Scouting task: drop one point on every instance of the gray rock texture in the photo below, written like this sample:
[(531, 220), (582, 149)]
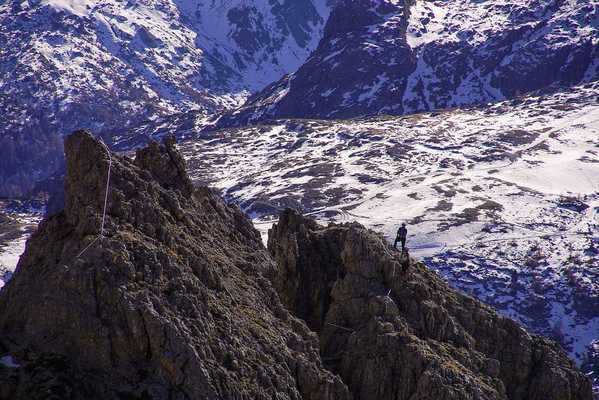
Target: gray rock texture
[(393, 332)]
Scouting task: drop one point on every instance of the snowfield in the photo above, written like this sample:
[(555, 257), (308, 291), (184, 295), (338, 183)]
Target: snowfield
[(501, 200)]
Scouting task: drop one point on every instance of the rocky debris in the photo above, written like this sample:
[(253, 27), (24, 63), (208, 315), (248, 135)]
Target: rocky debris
[(171, 302), (393, 334), (42, 378)]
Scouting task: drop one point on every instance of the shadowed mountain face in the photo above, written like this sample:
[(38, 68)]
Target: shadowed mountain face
[(109, 65), (400, 57)]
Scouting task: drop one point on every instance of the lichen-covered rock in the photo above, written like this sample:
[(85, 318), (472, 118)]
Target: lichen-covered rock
[(171, 303), (393, 333)]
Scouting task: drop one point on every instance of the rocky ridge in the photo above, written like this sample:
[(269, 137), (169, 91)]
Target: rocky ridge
[(409, 56), (170, 303), (501, 200), (393, 329), (178, 299)]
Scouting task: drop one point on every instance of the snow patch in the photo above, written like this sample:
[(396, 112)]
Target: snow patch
[(9, 362), (81, 8), (9, 257), (426, 23)]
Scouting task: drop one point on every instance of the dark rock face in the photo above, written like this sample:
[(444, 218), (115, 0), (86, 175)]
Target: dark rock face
[(401, 57), (395, 334), (45, 377), (170, 303)]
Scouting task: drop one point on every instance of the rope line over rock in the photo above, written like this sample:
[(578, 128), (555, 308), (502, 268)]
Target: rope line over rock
[(101, 235), (107, 187)]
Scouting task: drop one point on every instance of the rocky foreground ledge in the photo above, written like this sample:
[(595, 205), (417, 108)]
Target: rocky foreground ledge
[(178, 300), (398, 331)]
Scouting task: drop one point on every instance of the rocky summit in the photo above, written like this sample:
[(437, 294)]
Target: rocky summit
[(392, 329), (144, 287), (171, 303)]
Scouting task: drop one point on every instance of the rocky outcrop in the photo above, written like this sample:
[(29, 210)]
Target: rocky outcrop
[(397, 333), (171, 303), (178, 300)]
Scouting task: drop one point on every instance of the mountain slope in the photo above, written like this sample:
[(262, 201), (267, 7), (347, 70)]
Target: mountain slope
[(107, 64), (394, 330), (502, 200), (399, 57), (167, 295)]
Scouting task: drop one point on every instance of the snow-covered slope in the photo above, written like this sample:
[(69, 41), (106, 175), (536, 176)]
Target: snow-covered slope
[(16, 225), (403, 56), (503, 200), (111, 64)]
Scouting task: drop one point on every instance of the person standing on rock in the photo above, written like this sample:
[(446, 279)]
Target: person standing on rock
[(402, 235)]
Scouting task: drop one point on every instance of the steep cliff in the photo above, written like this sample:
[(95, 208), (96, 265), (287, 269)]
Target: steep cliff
[(170, 303), (393, 332)]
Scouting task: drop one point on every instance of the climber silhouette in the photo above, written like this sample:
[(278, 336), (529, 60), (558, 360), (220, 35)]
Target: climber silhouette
[(402, 234)]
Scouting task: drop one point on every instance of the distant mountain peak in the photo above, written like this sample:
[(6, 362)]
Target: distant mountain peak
[(111, 65), (402, 57)]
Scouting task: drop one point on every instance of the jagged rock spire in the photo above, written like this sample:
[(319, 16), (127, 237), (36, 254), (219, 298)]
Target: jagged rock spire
[(170, 303)]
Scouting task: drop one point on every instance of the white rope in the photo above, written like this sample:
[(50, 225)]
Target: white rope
[(88, 246), (101, 235), (341, 327), (107, 187)]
